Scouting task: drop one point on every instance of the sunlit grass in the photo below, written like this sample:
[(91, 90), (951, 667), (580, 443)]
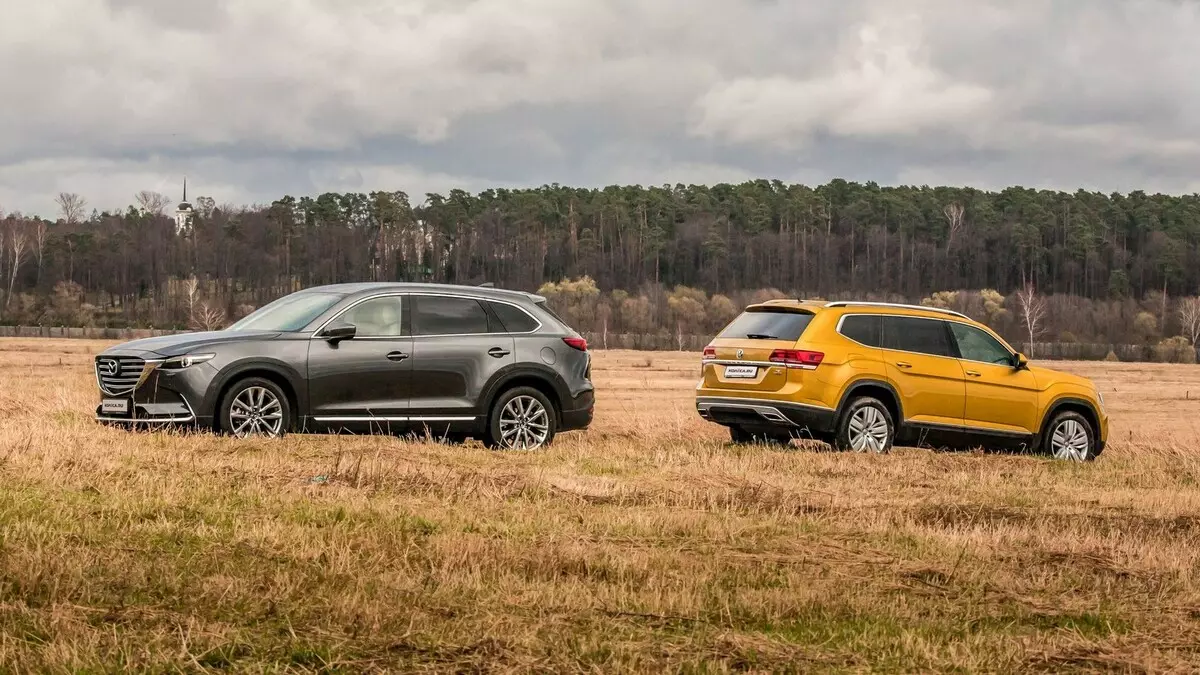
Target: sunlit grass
[(645, 544)]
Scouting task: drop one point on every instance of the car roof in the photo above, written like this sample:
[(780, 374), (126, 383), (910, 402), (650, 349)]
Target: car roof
[(865, 307), (367, 287)]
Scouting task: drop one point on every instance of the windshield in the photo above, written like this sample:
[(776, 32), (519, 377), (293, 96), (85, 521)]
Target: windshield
[(289, 313)]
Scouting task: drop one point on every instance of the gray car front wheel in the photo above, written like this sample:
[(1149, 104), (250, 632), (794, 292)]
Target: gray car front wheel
[(255, 407)]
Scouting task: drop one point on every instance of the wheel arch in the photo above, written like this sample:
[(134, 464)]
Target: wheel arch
[(280, 374), (1069, 403), (543, 379), (876, 388)]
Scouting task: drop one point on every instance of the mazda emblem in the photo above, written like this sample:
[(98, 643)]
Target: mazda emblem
[(109, 367), (740, 353)]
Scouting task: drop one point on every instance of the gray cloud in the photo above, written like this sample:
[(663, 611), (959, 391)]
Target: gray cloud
[(257, 98)]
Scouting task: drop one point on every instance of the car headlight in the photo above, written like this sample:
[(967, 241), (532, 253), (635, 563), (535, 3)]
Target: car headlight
[(185, 361)]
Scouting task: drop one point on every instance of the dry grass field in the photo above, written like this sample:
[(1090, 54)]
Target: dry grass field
[(646, 544)]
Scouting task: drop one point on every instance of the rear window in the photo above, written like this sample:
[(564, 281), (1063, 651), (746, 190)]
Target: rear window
[(514, 319), (767, 325), (863, 328), (546, 308)]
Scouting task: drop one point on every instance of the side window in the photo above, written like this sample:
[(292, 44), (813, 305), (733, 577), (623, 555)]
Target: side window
[(922, 336), (513, 319), (440, 315), (863, 328), (976, 345), (378, 317)]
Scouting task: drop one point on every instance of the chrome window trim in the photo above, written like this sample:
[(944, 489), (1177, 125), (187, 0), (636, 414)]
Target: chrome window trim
[(316, 334), (838, 329), (1011, 354), (477, 299)]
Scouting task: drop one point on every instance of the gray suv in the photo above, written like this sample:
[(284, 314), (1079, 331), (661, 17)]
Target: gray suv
[(453, 361)]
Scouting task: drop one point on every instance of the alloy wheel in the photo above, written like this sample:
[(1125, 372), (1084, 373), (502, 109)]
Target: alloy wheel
[(1070, 441), (256, 411), (868, 430), (524, 423)]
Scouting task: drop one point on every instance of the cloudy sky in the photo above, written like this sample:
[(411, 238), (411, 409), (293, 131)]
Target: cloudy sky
[(252, 99)]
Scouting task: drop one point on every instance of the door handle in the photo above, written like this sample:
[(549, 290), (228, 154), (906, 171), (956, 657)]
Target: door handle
[(498, 352), (903, 364), (973, 373), (397, 356)]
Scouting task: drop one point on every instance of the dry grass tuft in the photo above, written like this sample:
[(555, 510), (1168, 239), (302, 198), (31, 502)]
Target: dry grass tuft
[(645, 544)]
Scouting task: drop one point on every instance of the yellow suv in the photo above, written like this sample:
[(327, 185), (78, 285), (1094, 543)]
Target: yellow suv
[(862, 375)]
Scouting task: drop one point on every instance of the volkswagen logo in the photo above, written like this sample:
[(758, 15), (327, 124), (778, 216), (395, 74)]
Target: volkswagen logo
[(109, 367), (740, 353)]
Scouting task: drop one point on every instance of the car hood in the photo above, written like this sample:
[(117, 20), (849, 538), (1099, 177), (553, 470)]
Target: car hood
[(184, 343), (1047, 376)]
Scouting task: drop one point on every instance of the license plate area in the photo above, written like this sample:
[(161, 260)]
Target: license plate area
[(741, 372), (115, 407)]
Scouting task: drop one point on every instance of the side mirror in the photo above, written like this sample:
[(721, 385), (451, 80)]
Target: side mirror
[(1020, 362), (338, 332)]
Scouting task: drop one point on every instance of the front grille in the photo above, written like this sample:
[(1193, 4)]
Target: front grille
[(119, 375)]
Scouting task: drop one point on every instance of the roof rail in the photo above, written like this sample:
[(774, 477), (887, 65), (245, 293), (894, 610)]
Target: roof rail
[(848, 303)]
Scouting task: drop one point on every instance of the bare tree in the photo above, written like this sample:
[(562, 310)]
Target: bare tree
[(1033, 312), (1189, 316), (151, 202), (39, 242), (208, 317), (202, 315), (71, 206), (17, 240), (954, 213)]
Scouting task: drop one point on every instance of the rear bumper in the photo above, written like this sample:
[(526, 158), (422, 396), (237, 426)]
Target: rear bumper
[(759, 413), (581, 410)]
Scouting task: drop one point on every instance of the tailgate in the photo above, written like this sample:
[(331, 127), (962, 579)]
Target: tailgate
[(745, 365), (739, 358)]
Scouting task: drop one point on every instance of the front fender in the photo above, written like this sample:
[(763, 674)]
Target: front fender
[(262, 364), (1060, 395)]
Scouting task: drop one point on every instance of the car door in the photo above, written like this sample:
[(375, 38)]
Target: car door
[(922, 365), (456, 351), (364, 382), (999, 397)]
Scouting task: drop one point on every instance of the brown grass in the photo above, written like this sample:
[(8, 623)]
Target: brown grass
[(644, 544)]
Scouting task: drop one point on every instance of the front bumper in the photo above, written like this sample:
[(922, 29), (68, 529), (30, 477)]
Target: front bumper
[(753, 413), (160, 398)]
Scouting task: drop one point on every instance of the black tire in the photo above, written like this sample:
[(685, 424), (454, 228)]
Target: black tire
[(871, 411), (1071, 424), (495, 436), (742, 436), (226, 413)]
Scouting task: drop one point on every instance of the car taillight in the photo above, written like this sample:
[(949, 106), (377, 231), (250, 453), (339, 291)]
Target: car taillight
[(797, 358), (576, 343), (709, 353)]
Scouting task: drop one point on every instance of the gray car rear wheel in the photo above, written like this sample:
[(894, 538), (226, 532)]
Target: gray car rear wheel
[(521, 419)]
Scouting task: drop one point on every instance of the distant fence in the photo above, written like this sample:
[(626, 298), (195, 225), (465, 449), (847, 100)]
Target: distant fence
[(655, 342), (1070, 351), (87, 333)]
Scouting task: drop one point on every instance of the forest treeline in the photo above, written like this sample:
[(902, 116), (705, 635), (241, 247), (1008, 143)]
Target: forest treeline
[(1115, 268)]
